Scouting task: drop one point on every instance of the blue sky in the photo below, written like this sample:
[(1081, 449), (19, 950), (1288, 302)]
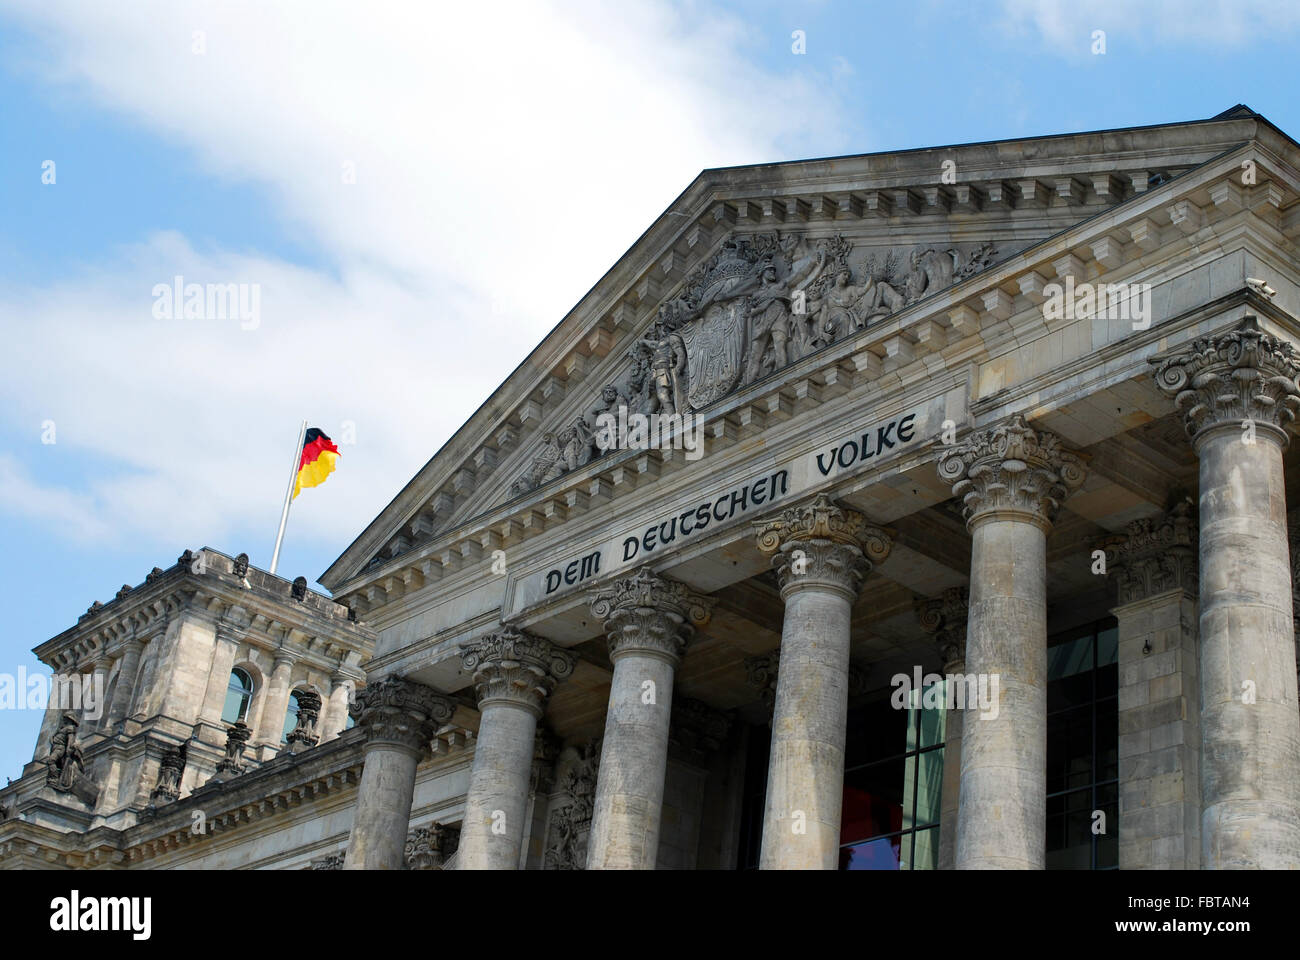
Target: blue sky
[(503, 159)]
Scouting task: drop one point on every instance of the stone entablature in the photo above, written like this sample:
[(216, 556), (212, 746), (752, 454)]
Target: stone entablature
[(966, 320)]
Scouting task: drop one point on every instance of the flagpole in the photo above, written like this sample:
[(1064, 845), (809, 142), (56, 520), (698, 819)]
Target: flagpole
[(288, 495)]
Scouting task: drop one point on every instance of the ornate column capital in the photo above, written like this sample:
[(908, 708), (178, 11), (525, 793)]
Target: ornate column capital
[(1011, 472), (761, 671), (818, 543), (1225, 380), (1156, 554), (946, 616), (511, 666), (650, 615), (399, 712)]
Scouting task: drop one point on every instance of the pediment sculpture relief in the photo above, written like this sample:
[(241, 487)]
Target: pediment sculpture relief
[(760, 303)]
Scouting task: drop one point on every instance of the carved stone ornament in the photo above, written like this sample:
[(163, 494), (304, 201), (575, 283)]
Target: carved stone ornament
[(400, 712), (946, 617), (818, 543), (516, 667), (650, 615), (1156, 554), (566, 845), (304, 732), (1012, 472), (298, 591), (232, 764), (763, 301), (332, 862), (761, 671), (424, 848), (696, 727), (1243, 375), (170, 769), (241, 565)]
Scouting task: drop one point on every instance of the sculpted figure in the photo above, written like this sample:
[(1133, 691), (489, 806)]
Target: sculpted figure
[(931, 271), (769, 321), (836, 313), (667, 371), (64, 763)]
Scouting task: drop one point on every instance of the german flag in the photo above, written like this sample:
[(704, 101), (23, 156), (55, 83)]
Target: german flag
[(317, 462)]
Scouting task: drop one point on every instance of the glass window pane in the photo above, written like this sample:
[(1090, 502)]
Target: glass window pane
[(879, 854), (290, 716), (925, 850), (1069, 658), (873, 800), (929, 719), (875, 731), (1108, 646), (929, 787)]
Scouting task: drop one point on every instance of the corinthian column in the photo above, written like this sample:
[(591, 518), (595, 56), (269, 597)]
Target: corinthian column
[(1011, 480), (514, 674), (946, 618), (1237, 391), (648, 622), (399, 718), (821, 555)]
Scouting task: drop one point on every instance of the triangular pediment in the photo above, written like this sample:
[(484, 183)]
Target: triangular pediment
[(753, 270)]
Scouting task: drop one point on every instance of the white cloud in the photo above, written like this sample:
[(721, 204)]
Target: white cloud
[(1067, 25), (504, 158)]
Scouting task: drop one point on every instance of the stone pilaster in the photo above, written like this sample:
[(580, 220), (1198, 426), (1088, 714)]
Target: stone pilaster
[(648, 622), (1237, 392), (821, 554), (223, 660), (335, 718), (398, 716), (1011, 480), (514, 673), (945, 617), (1154, 565)]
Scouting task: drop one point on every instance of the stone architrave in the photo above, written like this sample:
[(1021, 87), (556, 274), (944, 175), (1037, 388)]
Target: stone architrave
[(399, 717), (514, 673), (1011, 480), (648, 622), (945, 617), (1238, 392), (821, 554)]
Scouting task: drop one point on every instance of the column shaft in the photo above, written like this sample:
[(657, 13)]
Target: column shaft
[(1002, 814), (805, 778), (633, 765), (1249, 722), (383, 812)]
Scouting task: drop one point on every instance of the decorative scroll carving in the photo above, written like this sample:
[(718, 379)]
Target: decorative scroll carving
[(761, 671), (820, 543), (424, 847), (400, 712), (304, 735), (65, 769), (1156, 554), (1012, 470), (514, 666), (945, 617), (761, 302), (650, 615), (696, 727), (232, 764), (1241, 375), (170, 770), (566, 847)]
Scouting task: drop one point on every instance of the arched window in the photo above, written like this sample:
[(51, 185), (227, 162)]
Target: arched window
[(290, 716), (239, 694)]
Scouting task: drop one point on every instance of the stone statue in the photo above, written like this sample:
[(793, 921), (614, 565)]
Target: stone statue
[(170, 770), (769, 322), (64, 764), (667, 371), (232, 764), (303, 735)]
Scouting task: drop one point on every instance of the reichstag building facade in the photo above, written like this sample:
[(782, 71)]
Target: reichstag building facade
[(919, 510)]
